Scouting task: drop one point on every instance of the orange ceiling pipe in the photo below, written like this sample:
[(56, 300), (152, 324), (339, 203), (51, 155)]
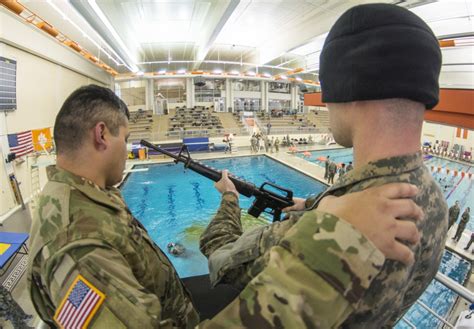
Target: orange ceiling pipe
[(30, 17), (446, 43), (48, 29), (297, 70), (13, 5), (73, 45)]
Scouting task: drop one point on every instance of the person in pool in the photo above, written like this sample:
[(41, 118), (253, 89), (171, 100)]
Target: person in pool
[(176, 248)]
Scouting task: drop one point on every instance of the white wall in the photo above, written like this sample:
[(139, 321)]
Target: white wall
[(279, 96), (135, 108), (47, 73), (433, 131), (247, 94)]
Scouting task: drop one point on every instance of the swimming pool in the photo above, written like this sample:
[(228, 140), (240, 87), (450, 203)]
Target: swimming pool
[(176, 205), (454, 187), (437, 296)]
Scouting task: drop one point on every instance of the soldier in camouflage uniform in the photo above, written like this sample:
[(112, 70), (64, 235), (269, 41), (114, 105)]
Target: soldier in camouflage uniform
[(332, 169), (465, 217), (313, 270), (453, 214), (11, 311), (83, 230)]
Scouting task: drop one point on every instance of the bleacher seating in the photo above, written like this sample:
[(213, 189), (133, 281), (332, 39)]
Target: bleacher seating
[(140, 124), (320, 119), (198, 118), (297, 121)]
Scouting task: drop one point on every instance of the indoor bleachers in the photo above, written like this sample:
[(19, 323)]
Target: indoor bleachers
[(140, 124), (287, 122), (320, 119), (194, 119)]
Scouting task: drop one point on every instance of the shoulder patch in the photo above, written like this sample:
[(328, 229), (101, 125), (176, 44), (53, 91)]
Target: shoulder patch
[(79, 305)]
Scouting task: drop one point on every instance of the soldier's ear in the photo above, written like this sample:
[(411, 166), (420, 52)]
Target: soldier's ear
[(100, 141)]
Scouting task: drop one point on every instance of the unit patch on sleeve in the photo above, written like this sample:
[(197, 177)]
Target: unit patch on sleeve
[(79, 305)]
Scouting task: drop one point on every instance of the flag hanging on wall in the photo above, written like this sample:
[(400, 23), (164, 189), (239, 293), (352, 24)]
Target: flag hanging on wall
[(42, 139), (21, 143)]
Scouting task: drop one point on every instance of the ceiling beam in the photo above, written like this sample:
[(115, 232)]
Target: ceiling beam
[(206, 42)]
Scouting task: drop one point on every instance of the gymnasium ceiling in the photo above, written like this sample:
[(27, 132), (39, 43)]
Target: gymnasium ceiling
[(263, 36)]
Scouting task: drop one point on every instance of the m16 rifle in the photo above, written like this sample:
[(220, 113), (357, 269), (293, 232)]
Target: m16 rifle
[(265, 200)]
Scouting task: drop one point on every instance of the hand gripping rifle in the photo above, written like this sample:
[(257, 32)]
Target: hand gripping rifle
[(265, 200)]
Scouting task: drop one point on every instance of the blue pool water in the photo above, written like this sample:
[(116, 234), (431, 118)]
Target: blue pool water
[(454, 187), (176, 205), (437, 296)]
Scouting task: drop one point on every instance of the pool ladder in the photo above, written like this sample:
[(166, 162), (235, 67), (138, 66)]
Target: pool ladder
[(460, 290)]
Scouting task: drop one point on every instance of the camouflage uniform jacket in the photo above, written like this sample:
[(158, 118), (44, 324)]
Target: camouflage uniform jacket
[(79, 228), (314, 270), (465, 218), (453, 214)]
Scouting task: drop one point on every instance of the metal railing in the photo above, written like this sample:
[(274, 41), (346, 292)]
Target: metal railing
[(452, 285)]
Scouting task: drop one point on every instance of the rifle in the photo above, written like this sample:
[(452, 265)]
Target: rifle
[(265, 200)]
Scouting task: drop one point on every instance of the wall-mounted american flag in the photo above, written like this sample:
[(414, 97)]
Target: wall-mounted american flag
[(21, 143)]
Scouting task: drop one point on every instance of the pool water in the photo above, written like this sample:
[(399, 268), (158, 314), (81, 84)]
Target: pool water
[(437, 296), (175, 205), (454, 187)]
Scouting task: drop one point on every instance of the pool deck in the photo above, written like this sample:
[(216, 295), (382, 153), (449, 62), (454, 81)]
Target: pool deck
[(312, 170)]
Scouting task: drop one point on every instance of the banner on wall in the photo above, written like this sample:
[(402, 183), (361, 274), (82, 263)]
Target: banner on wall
[(42, 140)]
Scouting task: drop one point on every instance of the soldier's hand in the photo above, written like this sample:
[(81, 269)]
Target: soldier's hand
[(299, 205), (225, 184), (375, 212)]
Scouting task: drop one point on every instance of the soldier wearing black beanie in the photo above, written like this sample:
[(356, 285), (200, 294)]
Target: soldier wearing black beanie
[(380, 51), (379, 70)]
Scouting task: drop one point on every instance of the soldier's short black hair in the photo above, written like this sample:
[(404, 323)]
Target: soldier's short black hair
[(82, 110)]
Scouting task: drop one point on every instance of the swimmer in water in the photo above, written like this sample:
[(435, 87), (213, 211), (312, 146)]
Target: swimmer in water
[(176, 249)]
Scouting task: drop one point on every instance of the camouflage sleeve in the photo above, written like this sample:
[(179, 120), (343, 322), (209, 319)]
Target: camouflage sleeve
[(224, 228), (315, 277), (310, 200), (236, 257), (127, 304)]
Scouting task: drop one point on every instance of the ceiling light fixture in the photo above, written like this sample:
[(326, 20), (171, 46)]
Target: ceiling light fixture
[(53, 5), (130, 65)]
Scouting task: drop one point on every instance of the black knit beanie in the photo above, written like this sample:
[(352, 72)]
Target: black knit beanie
[(380, 51)]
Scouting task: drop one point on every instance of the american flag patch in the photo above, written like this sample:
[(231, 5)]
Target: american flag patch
[(79, 305)]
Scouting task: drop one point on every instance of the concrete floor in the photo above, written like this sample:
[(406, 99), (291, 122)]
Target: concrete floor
[(21, 295)]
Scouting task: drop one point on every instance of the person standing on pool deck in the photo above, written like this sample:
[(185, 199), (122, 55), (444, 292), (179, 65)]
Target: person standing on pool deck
[(453, 214), (84, 238), (326, 167), (465, 217), (377, 86)]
